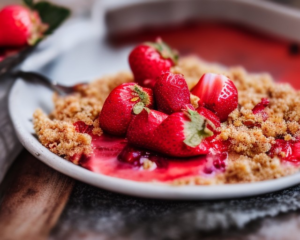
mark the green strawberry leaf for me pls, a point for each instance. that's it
(164, 50)
(51, 14)
(138, 108)
(196, 130)
(29, 3)
(142, 95)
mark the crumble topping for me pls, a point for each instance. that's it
(61, 137)
(260, 167)
(86, 104)
(250, 136)
(57, 132)
(149, 165)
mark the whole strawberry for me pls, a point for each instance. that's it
(217, 93)
(20, 26)
(117, 110)
(171, 93)
(149, 60)
(184, 134)
(140, 132)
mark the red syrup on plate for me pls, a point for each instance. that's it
(113, 157)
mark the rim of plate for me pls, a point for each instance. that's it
(139, 189)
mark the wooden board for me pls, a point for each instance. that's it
(34, 199)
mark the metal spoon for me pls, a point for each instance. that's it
(35, 77)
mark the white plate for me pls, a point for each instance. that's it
(25, 98)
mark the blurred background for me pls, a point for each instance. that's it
(261, 35)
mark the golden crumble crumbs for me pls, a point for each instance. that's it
(61, 137)
(250, 136)
(149, 165)
(194, 100)
(86, 104)
(260, 167)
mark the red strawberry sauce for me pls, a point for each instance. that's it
(109, 159)
(278, 56)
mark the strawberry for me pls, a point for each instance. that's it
(217, 93)
(20, 26)
(259, 108)
(183, 134)
(81, 127)
(141, 129)
(117, 110)
(211, 117)
(286, 150)
(171, 93)
(149, 60)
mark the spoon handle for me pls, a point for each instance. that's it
(35, 77)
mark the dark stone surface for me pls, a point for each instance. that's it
(93, 212)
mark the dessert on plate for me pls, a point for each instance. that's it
(179, 121)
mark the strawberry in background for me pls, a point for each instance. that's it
(20, 26)
(23, 26)
(149, 60)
